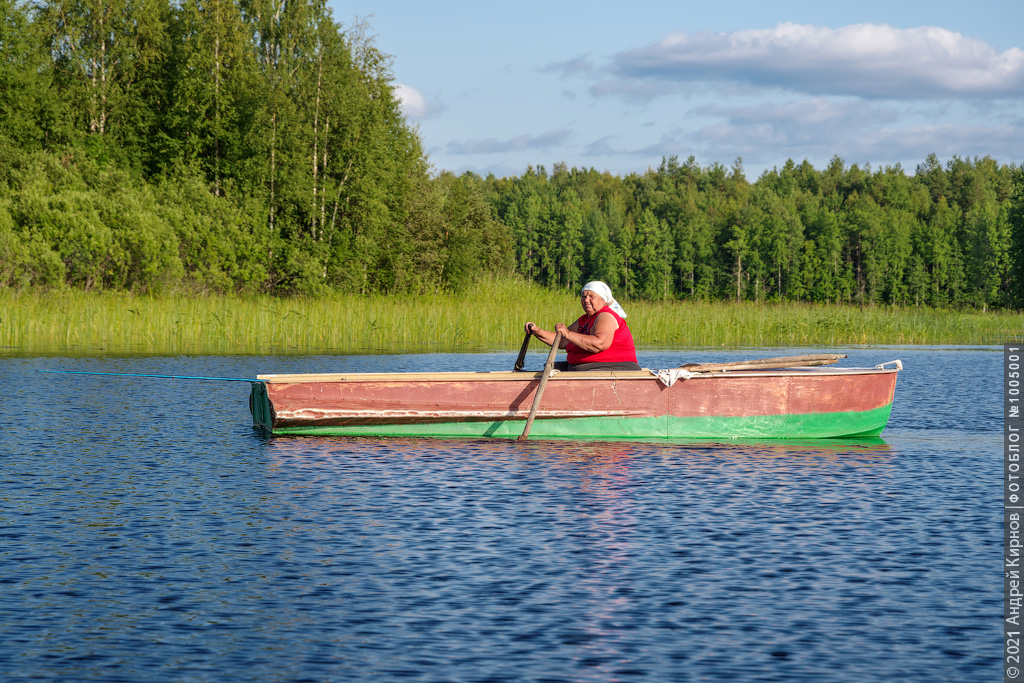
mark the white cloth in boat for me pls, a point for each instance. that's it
(669, 377)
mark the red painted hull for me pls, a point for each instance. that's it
(594, 404)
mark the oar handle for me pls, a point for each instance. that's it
(543, 383)
(518, 367)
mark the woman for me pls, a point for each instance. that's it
(599, 339)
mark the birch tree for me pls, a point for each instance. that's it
(106, 54)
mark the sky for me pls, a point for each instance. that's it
(499, 87)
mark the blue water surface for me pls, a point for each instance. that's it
(148, 533)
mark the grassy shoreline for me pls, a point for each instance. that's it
(490, 317)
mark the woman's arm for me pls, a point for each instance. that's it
(601, 339)
(547, 336)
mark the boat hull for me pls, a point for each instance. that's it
(791, 404)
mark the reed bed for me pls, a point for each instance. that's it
(490, 317)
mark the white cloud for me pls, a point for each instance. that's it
(414, 103)
(864, 60)
(514, 144)
(858, 131)
(793, 123)
(767, 133)
(578, 66)
(601, 147)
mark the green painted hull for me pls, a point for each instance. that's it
(868, 423)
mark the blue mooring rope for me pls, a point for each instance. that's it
(132, 374)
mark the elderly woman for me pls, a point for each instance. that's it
(599, 339)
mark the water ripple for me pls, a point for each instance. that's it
(147, 533)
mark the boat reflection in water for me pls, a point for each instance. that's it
(596, 455)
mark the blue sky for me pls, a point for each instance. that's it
(496, 87)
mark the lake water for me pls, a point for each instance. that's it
(148, 533)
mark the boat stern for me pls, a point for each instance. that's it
(259, 406)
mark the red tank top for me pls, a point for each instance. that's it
(621, 350)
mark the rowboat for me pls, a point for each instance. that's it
(751, 399)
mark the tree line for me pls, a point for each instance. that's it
(257, 146)
(947, 236)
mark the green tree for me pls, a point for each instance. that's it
(654, 252)
(1015, 218)
(30, 111)
(989, 232)
(779, 241)
(568, 240)
(472, 242)
(212, 75)
(108, 55)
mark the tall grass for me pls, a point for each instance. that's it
(491, 316)
(797, 324)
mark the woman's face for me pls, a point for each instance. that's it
(592, 303)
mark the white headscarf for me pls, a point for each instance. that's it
(605, 292)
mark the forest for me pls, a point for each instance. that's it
(247, 146)
(948, 236)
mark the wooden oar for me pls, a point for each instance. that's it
(540, 387)
(768, 363)
(518, 367)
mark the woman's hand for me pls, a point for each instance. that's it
(547, 336)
